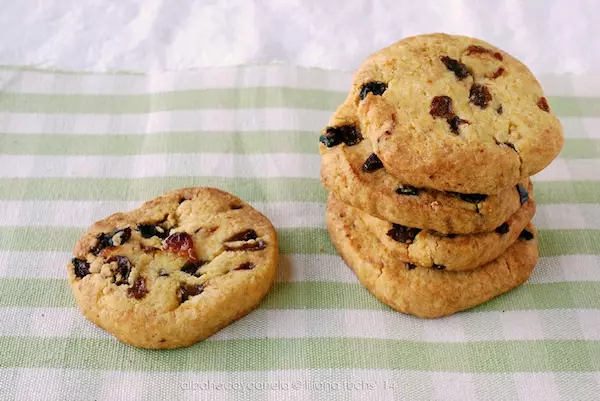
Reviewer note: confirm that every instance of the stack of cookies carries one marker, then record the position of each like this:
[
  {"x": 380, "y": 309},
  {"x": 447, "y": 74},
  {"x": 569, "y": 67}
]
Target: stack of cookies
[{"x": 428, "y": 163}]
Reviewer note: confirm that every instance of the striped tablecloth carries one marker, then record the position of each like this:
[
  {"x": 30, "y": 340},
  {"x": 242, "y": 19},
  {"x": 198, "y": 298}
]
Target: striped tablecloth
[{"x": 76, "y": 147}]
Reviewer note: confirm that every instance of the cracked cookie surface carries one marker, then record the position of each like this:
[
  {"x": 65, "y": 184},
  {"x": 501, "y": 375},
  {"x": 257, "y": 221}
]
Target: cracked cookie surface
[
  {"x": 426, "y": 248},
  {"x": 426, "y": 292},
  {"x": 175, "y": 270},
  {"x": 357, "y": 177},
  {"x": 453, "y": 113}
]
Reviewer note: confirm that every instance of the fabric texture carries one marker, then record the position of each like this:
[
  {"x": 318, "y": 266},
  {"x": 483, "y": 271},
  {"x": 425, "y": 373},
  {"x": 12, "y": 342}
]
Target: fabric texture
[{"x": 76, "y": 147}]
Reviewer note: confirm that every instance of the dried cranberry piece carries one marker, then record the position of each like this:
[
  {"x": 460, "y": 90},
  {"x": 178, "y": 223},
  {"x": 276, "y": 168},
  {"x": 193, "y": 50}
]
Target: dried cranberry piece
[
  {"x": 372, "y": 163},
  {"x": 526, "y": 235},
  {"x": 498, "y": 72},
  {"x": 182, "y": 244},
  {"x": 454, "y": 122},
  {"x": 523, "y": 194},
  {"x": 245, "y": 235},
  {"x": 503, "y": 228},
  {"x": 138, "y": 289},
  {"x": 543, "y": 104},
  {"x": 376, "y": 88},
  {"x": 441, "y": 106},
  {"x": 124, "y": 267},
  {"x": 479, "y": 95},
  {"x": 407, "y": 190},
  {"x": 458, "y": 68},
  {"x": 402, "y": 233},
  {"x": 186, "y": 291},
  {"x": 81, "y": 267},
  {"x": 246, "y": 266},
  {"x": 474, "y": 49},
  {"x": 348, "y": 134}
]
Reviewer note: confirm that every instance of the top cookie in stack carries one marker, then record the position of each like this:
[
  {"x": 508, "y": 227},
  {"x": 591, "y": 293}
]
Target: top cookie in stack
[{"x": 433, "y": 148}]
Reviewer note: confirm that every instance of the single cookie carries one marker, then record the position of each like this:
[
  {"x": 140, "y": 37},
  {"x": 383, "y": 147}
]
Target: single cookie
[
  {"x": 354, "y": 174},
  {"x": 452, "y": 252},
  {"x": 175, "y": 270},
  {"x": 454, "y": 113},
  {"x": 422, "y": 291}
]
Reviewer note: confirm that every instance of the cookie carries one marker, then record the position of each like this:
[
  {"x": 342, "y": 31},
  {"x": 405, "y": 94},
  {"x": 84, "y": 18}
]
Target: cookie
[
  {"x": 354, "y": 175},
  {"x": 454, "y": 113},
  {"x": 421, "y": 291},
  {"x": 426, "y": 248},
  {"x": 175, "y": 270}
]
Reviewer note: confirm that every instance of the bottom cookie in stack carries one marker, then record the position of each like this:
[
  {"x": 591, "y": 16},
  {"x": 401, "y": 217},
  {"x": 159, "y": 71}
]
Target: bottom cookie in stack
[{"x": 423, "y": 291}]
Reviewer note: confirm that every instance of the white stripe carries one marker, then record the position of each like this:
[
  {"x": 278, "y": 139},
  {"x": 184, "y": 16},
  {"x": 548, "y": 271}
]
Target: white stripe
[
  {"x": 301, "y": 268},
  {"x": 281, "y": 214},
  {"x": 155, "y": 83},
  {"x": 163, "y": 165},
  {"x": 221, "y": 165},
  {"x": 558, "y": 324},
  {"x": 235, "y": 77},
  {"x": 270, "y": 119},
  {"x": 581, "y": 127},
  {"x": 570, "y": 169}
]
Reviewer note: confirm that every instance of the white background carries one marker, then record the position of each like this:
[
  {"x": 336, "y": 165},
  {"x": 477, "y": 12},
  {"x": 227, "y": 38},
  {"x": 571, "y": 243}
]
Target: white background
[{"x": 558, "y": 36}]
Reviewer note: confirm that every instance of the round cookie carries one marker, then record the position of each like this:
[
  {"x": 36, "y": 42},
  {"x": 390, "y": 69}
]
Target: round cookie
[
  {"x": 351, "y": 171},
  {"x": 454, "y": 113},
  {"x": 175, "y": 270},
  {"x": 426, "y": 248},
  {"x": 425, "y": 292}
]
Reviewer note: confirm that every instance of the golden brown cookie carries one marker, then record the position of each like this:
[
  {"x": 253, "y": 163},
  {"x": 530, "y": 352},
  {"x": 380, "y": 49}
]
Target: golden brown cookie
[
  {"x": 426, "y": 248},
  {"x": 175, "y": 270},
  {"x": 352, "y": 173},
  {"x": 451, "y": 113},
  {"x": 421, "y": 291}
]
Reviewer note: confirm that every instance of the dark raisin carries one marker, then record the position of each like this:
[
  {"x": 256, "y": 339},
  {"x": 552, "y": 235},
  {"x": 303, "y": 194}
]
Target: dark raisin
[
  {"x": 348, "y": 134},
  {"x": 411, "y": 266},
  {"x": 407, "y": 190},
  {"x": 543, "y": 104},
  {"x": 523, "y": 194},
  {"x": 125, "y": 236},
  {"x": 245, "y": 235},
  {"x": 236, "y": 207},
  {"x": 104, "y": 241},
  {"x": 503, "y": 228},
  {"x": 192, "y": 267},
  {"x": 526, "y": 235},
  {"x": 454, "y": 122},
  {"x": 186, "y": 291},
  {"x": 246, "y": 266},
  {"x": 138, "y": 289},
  {"x": 480, "y": 96},
  {"x": 403, "y": 234},
  {"x": 182, "y": 244},
  {"x": 439, "y": 267},
  {"x": 441, "y": 106},
  {"x": 458, "y": 68},
  {"x": 376, "y": 88},
  {"x": 499, "y": 110},
  {"x": 247, "y": 246},
  {"x": 82, "y": 268},
  {"x": 471, "y": 198},
  {"x": 451, "y": 235},
  {"x": 474, "y": 49},
  {"x": 372, "y": 163},
  {"x": 150, "y": 230},
  {"x": 498, "y": 72},
  {"x": 124, "y": 267}
]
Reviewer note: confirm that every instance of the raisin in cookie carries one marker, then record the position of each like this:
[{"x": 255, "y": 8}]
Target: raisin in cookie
[
  {"x": 426, "y": 248},
  {"x": 420, "y": 291},
  {"x": 175, "y": 270},
  {"x": 356, "y": 176},
  {"x": 454, "y": 113}
]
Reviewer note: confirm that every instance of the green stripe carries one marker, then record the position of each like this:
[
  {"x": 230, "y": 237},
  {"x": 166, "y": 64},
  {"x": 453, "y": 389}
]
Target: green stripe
[
  {"x": 223, "y": 98},
  {"x": 304, "y": 353},
  {"x": 231, "y": 98},
  {"x": 167, "y": 142},
  {"x": 249, "y": 189},
  {"x": 25, "y": 292},
  {"x": 291, "y": 240},
  {"x": 202, "y": 142}
]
